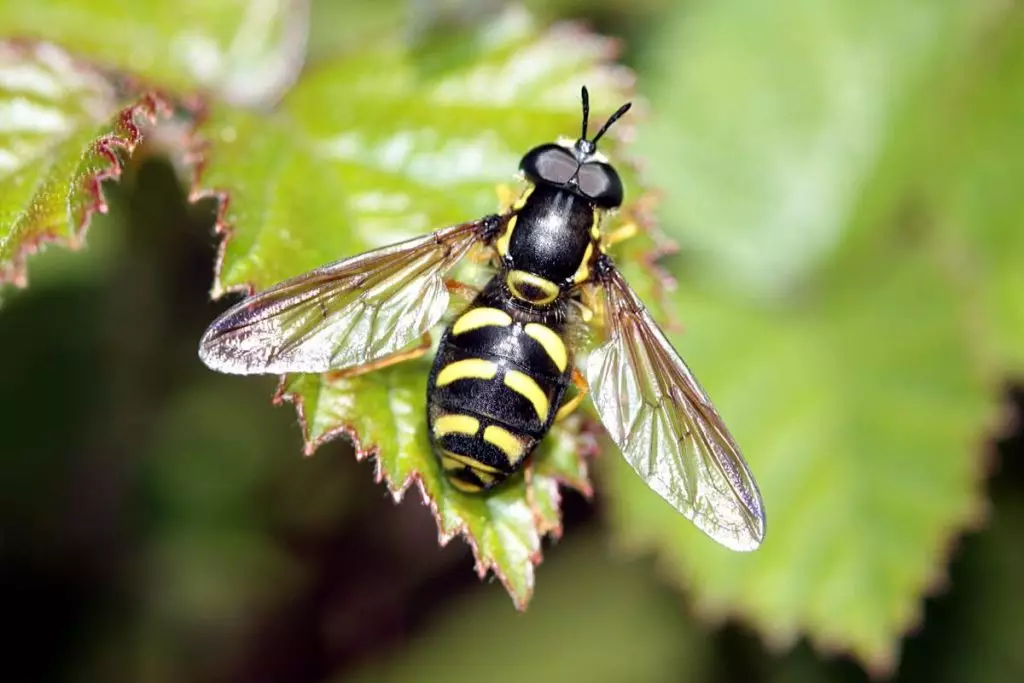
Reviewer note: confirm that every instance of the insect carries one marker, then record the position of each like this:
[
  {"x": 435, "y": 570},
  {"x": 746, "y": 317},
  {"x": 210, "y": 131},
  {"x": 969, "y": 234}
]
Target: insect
[{"x": 505, "y": 363}]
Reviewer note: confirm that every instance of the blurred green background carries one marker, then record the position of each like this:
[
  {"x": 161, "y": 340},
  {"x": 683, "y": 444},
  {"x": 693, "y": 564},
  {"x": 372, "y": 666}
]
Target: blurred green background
[{"x": 157, "y": 524}]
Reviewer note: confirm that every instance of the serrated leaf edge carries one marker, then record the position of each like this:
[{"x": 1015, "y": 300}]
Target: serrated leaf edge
[
  {"x": 398, "y": 490},
  {"x": 150, "y": 107}
]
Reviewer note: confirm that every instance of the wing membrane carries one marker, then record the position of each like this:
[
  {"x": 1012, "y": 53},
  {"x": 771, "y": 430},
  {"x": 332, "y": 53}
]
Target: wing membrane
[
  {"x": 667, "y": 429},
  {"x": 341, "y": 315}
]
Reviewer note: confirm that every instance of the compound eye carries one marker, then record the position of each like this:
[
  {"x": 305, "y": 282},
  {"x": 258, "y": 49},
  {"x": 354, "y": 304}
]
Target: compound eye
[
  {"x": 601, "y": 183},
  {"x": 549, "y": 163}
]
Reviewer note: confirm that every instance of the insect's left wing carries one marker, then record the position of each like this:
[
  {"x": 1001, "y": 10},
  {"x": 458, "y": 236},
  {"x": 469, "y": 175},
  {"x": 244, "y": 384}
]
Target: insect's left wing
[
  {"x": 664, "y": 424},
  {"x": 344, "y": 314}
]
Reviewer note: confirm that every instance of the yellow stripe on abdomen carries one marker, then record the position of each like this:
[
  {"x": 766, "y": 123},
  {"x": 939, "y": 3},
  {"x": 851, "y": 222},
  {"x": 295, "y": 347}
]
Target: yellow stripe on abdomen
[
  {"x": 470, "y": 368},
  {"x": 550, "y": 342},
  {"x": 481, "y": 317},
  {"x": 466, "y": 461},
  {"x": 502, "y": 439},
  {"x": 464, "y": 486},
  {"x": 526, "y": 386},
  {"x": 456, "y": 424}
]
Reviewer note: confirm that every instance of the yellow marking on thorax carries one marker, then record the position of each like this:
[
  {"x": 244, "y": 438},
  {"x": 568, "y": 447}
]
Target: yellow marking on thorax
[
  {"x": 470, "y": 368},
  {"x": 521, "y": 202},
  {"x": 523, "y": 284},
  {"x": 583, "y": 272},
  {"x": 551, "y": 343},
  {"x": 527, "y": 387},
  {"x": 502, "y": 242},
  {"x": 506, "y": 442},
  {"x": 456, "y": 424},
  {"x": 595, "y": 225},
  {"x": 481, "y": 317}
]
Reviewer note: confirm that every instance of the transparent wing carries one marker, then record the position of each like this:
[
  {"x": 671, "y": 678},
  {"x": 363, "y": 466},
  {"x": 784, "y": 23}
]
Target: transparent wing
[
  {"x": 344, "y": 314},
  {"x": 663, "y": 422}
]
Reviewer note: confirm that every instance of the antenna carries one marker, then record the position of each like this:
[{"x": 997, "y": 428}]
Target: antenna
[
  {"x": 607, "y": 124},
  {"x": 586, "y": 112}
]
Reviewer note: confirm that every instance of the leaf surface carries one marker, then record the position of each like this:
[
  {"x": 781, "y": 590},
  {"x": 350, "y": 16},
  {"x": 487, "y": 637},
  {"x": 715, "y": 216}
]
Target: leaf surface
[
  {"x": 862, "y": 425},
  {"x": 241, "y": 51},
  {"x": 841, "y": 180},
  {"x": 773, "y": 119},
  {"x": 64, "y": 128}
]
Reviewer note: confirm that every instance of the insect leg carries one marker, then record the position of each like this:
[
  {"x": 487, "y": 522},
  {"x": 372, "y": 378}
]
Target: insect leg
[
  {"x": 461, "y": 290},
  {"x": 582, "y": 389},
  {"x": 590, "y": 308},
  {"x": 620, "y": 234},
  {"x": 391, "y": 359}
]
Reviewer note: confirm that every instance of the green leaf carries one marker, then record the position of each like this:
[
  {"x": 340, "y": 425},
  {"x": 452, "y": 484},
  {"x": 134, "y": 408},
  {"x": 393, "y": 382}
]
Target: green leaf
[
  {"x": 844, "y": 175},
  {"x": 64, "y": 129},
  {"x": 773, "y": 117},
  {"x": 978, "y": 193},
  {"x": 861, "y": 423},
  {"x": 239, "y": 50},
  {"x": 378, "y": 146},
  {"x": 384, "y": 413}
]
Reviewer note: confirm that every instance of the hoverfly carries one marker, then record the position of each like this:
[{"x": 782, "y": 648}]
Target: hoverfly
[{"x": 504, "y": 364}]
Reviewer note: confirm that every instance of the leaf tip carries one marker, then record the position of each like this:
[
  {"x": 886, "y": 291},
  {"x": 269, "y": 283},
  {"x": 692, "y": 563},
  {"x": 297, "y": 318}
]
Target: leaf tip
[{"x": 101, "y": 160}]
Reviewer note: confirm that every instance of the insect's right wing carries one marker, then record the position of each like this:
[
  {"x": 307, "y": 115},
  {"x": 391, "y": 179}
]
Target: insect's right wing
[
  {"x": 343, "y": 314},
  {"x": 663, "y": 422}
]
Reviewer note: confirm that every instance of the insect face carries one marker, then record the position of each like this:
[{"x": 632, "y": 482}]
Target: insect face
[
  {"x": 576, "y": 171},
  {"x": 578, "y": 168}
]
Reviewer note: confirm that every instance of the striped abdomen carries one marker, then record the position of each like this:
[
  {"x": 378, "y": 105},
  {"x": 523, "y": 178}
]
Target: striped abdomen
[{"x": 497, "y": 382}]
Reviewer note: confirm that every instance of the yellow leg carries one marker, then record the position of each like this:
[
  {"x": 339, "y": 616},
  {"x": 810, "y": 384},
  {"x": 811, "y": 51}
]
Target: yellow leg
[
  {"x": 620, "y": 234},
  {"x": 585, "y": 311},
  {"x": 582, "y": 389},
  {"x": 391, "y": 359},
  {"x": 590, "y": 306}
]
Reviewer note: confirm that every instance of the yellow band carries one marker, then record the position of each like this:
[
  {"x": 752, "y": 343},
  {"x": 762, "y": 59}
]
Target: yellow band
[
  {"x": 527, "y": 387},
  {"x": 470, "y": 368}
]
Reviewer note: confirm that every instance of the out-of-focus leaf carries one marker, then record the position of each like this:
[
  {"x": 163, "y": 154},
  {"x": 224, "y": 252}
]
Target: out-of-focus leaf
[
  {"x": 594, "y": 620},
  {"x": 978, "y": 197},
  {"x": 378, "y": 146},
  {"x": 215, "y": 561},
  {"x": 63, "y": 129},
  {"x": 857, "y": 158},
  {"x": 773, "y": 122},
  {"x": 861, "y": 415},
  {"x": 244, "y": 51}
]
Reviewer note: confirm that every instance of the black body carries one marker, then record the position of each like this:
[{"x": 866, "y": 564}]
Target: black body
[
  {"x": 551, "y": 235},
  {"x": 502, "y": 368},
  {"x": 492, "y": 401}
]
